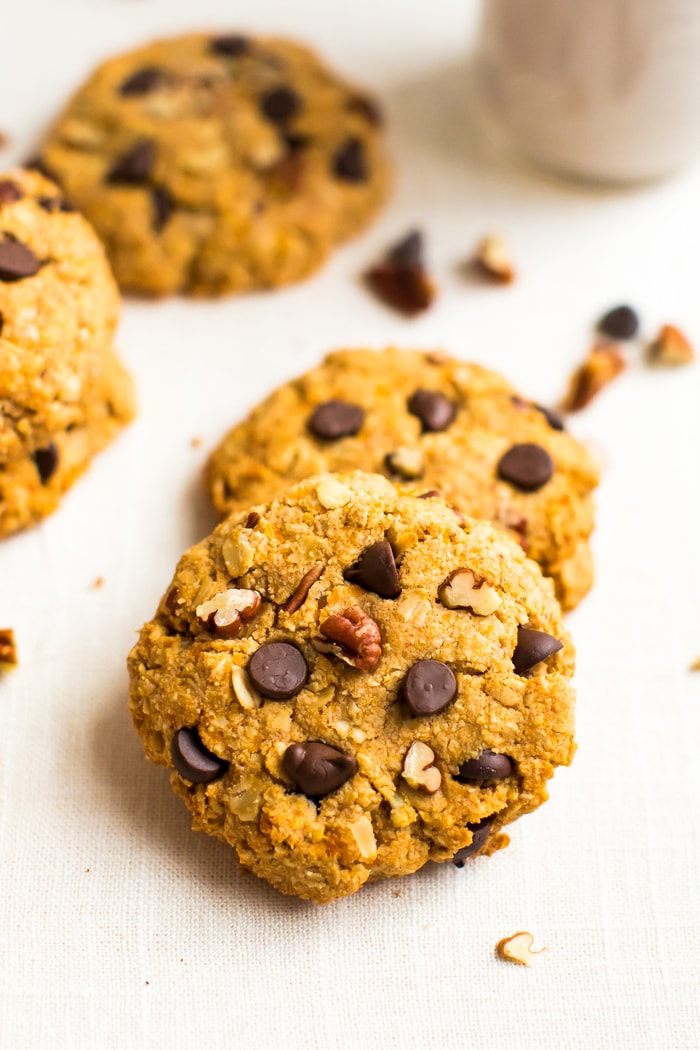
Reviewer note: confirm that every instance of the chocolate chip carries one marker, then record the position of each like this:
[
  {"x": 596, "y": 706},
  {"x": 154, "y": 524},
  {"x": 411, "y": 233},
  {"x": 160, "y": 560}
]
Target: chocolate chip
[
  {"x": 143, "y": 81},
  {"x": 163, "y": 207},
  {"x": 193, "y": 760},
  {"x": 350, "y": 162},
  {"x": 488, "y": 765},
  {"x": 232, "y": 46},
  {"x": 553, "y": 418},
  {"x": 16, "y": 260},
  {"x": 367, "y": 107},
  {"x": 527, "y": 467},
  {"x": 408, "y": 251},
  {"x": 375, "y": 570},
  {"x": 434, "y": 410},
  {"x": 9, "y": 192},
  {"x": 480, "y": 833},
  {"x": 46, "y": 462},
  {"x": 280, "y": 105},
  {"x": 622, "y": 322},
  {"x": 135, "y": 166},
  {"x": 532, "y": 648},
  {"x": 252, "y": 520},
  {"x": 278, "y": 670},
  {"x": 296, "y": 143},
  {"x": 332, "y": 420},
  {"x": 429, "y": 687},
  {"x": 400, "y": 280},
  {"x": 318, "y": 769},
  {"x": 55, "y": 204}
]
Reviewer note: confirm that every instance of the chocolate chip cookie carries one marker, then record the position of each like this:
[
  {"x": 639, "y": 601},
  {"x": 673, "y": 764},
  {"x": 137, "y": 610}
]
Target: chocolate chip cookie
[
  {"x": 348, "y": 682},
  {"x": 431, "y": 421},
  {"x": 214, "y": 164},
  {"x": 63, "y": 393}
]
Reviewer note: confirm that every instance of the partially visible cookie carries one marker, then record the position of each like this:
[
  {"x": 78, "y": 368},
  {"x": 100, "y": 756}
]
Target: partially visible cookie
[
  {"x": 212, "y": 164},
  {"x": 429, "y": 420},
  {"x": 349, "y": 682},
  {"x": 63, "y": 393}
]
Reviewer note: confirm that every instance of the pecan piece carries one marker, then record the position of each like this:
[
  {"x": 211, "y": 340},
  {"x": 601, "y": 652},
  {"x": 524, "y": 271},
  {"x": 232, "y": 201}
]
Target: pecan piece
[
  {"x": 492, "y": 261},
  {"x": 299, "y": 596},
  {"x": 225, "y": 613},
  {"x": 8, "y": 648},
  {"x": 353, "y": 637},
  {"x": 670, "y": 348},
  {"x": 601, "y": 366}
]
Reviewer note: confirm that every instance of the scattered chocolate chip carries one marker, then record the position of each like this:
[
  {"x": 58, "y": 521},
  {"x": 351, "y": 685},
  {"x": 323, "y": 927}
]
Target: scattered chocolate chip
[
  {"x": 367, "y": 107},
  {"x": 280, "y": 105},
  {"x": 163, "y": 207},
  {"x": 434, "y": 409},
  {"x": 488, "y": 765},
  {"x": 350, "y": 162},
  {"x": 318, "y": 769},
  {"x": 528, "y": 467},
  {"x": 429, "y": 687},
  {"x": 332, "y": 420},
  {"x": 400, "y": 280},
  {"x": 143, "y": 81},
  {"x": 532, "y": 648},
  {"x": 622, "y": 322},
  {"x": 16, "y": 260},
  {"x": 193, "y": 760},
  {"x": 252, "y": 520},
  {"x": 278, "y": 670},
  {"x": 300, "y": 594},
  {"x": 408, "y": 251},
  {"x": 9, "y": 192},
  {"x": 480, "y": 833},
  {"x": 375, "y": 570},
  {"x": 46, "y": 461},
  {"x": 136, "y": 165},
  {"x": 553, "y": 418},
  {"x": 55, "y": 204},
  {"x": 232, "y": 46}
]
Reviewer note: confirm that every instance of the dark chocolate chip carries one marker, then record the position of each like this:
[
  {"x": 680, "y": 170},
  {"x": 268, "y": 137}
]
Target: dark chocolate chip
[
  {"x": 488, "y": 765},
  {"x": 46, "y": 462},
  {"x": 408, "y": 251},
  {"x": 429, "y": 687},
  {"x": 375, "y": 570},
  {"x": 193, "y": 760},
  {"x": 480, "y": 833},
  {"x": 622, "y": 322},
  {"x": 16, "y": 260},
  {"x": 318, "y": 769},
  {"x": 280, "y": 105},
  {"x": 55, "y": 204},
  {"x": 278, "y": 670},
  {"x": 528, "y": 467},
  {"x": 400, "y": 280},
  {"x": 163, "y": 207},
  {"x": 232, "y": 46},
  {"x": 350, "y": 161},
  {"x": 9, "y": 192},
  {"x": 434, "y": 410},
  {"x": 145, "y": 80},
  {"x": 333, "y": 420},
  {"x": 532, "y": 648},
  {"x": 553, "y": 418},
  {"x": 367, "y": 107},
  {"x": 136, "y": 165}
]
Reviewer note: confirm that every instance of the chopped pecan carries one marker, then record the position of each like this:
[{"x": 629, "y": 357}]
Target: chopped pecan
[
  {"x": 8, "y": 648},
  {"x": 226, "y": 612},
  {"x": 353, "y": 636},
  {"x": 601, "y": 366},
  {"x": 670, "y": 348},
  {"x": 419, "y": 770},
  {"x": 299, "y": 596},
  {"x": 493, "y": 261}
]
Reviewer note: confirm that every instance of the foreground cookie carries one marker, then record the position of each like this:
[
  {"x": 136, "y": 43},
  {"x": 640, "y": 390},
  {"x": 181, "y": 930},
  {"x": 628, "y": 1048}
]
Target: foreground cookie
[
  {"x": 349, "y": 682},
  {"x": 63, "y": 393},
  {"x": 430, "y": 420},
  {"x": 212, "y": 164}
]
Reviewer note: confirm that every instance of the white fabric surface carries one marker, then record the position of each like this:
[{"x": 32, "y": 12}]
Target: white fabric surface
[{"x": 118, "y": 926}]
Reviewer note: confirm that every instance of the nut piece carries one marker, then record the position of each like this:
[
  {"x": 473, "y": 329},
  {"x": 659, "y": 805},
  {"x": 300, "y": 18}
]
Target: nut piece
[
  {"x": 299, "y": 596},
  {"x": 247, "y": 696},
  {"x": 418, "y": 769},
  {"x": 493, "y": 260},
  {"x": 670, "y": 348},
  {"x": 238, "y": 555},
  {"x": 8, "y": 648},
  {"x": 601, "y": 366},
  {"x": 331, "y": 494},
  {"x": 462, "y": 590},
  {"x": 695, "y": 666},
  {"x": 518, "y": 949},
  {"x": 407, "y": 463},
  {"x": 226, "y": 612},
  {"x": 353, "y": 637},
  {"x": 363, "y": 834}
]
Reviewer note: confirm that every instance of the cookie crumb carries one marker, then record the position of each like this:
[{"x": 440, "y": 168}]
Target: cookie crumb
[
  {"x": 670, "y": 348},
  {"x": 8, "y": 648},
  {"x": 401, "y": 280},
  {"x": 518, "y": 949},
  {"x": 196, "y": 442},
  {"x": 603, "y": 364},
  {"x": 4, "y": 140},
  {"x": 98, "y": 583},
  {"x": 493, "y": 261}
]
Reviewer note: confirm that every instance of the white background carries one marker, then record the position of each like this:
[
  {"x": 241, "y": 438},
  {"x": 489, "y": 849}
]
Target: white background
[{"x": 118, "y": 926}]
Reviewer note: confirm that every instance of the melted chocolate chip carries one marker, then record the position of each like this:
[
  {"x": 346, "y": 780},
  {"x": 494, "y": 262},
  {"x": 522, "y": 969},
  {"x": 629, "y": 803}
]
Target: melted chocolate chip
[
  {"x": 193, "y": 760},
  {"x": 9, "y": 192},
  {"x": 46, "y": 462},
  {"x": 434, "y": 410},
  {"x": 55, "y": 204},
  {"x": 163, "y": 207},
  {"x": 16, "y": 260},
  {"x": 136, "y": 165},
  {"x": 375, "y": 570},
  {"x": 480, "y": 833},
  {"x": 333, "y": 420},
  {"x": 528, "y": 467},
  {"x": 350, "y": 162},
  {"x": 429, "y": 687},
  {"x": 143, "y": 81},
  {"x": 278, "y": 670},
  {"x": 622, "y": 322},
  {"x": 532, "y": 648},
  {"x": 318, "y": 769},
  {"x": 486, "y": 766},
  {"x": 280, "y": 105},
  {"x": 232, "y": 46}
]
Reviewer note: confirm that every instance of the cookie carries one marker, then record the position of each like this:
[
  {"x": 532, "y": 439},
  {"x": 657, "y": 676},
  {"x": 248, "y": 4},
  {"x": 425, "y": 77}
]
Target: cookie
[
  {"x": 213, "y": 164},
  {"x": 349, "y": 682},
  {"x": 432, "y": 421},
  {"x": 63, "y": 393}
]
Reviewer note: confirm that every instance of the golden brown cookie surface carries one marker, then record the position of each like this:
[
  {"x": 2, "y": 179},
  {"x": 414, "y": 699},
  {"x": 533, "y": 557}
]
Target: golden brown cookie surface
[{"x": 349, "y": 682}]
